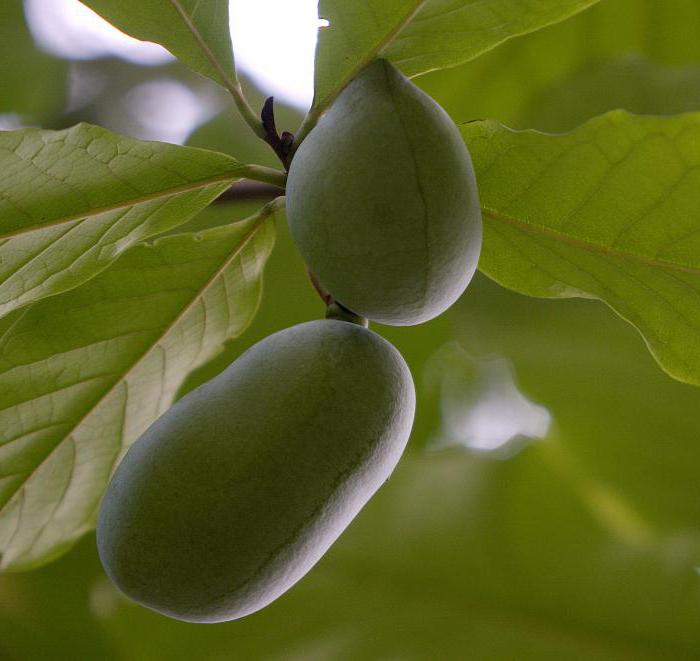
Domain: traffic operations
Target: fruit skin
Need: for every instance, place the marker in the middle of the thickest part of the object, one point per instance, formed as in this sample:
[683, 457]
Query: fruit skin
[237, 491]
[382, 201]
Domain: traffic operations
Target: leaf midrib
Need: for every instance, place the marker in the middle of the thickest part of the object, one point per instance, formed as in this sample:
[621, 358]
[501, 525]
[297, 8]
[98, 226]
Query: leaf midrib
[125, 204]
[584, 244]
[229, 83]
[379, 48]
[130, 369]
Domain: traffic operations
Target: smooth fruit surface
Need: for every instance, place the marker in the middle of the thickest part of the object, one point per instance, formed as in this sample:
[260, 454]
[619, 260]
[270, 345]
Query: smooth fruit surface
[236, 492]
[382, 201]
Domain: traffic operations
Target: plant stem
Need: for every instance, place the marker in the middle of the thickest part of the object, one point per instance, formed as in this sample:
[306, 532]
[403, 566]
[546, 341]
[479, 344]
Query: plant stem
[232, 84]
[337, 311]
[272, 207]
[319, 288]
[334, 310]
[268, 175]
[248, 114]
[249, 190]
[309, 122]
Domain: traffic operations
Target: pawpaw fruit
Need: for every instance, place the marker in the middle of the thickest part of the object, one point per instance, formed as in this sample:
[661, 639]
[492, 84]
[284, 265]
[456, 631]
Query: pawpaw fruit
[234, 493]
[382, 201]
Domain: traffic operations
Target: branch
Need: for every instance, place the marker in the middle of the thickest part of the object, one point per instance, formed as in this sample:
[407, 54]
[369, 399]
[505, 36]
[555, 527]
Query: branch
[249, 190]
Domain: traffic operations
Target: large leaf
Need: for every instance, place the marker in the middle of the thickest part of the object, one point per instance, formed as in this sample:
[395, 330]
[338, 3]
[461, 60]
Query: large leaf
[71, 201]
[609, 211]
[84, 373]
[419, 35]
[523, 83]
[196, 32]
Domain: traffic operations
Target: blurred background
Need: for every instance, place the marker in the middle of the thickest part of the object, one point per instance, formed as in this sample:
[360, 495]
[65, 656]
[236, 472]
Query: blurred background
[548, 506]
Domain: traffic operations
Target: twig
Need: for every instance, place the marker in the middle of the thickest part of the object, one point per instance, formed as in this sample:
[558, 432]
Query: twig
[249, 190]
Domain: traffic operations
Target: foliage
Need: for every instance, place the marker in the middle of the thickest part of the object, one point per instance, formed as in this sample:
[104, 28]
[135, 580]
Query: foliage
[74, 200]
[85, 373]
[121, 291]
[544, 197]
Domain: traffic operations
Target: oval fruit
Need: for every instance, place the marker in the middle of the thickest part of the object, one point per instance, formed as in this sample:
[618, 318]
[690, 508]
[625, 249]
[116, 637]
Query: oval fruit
[236, 492]
[382, 201]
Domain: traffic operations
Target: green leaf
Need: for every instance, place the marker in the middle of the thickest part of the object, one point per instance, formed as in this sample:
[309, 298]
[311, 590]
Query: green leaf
[72, 201]
[608, 211]
[420, 36]
[520, 82]
[83, 374]
[195, 32]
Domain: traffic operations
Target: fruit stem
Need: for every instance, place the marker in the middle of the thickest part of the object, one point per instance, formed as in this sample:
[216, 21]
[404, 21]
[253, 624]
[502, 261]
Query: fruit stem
[337, 311]
[320, 289]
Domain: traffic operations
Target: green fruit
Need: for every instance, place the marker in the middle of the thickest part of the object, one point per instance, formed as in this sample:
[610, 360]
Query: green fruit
[382, 201]
[236, 492]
